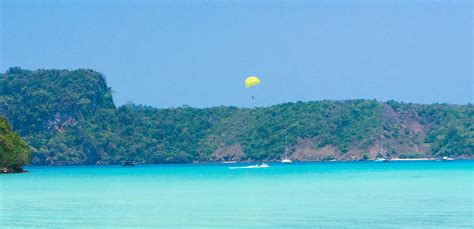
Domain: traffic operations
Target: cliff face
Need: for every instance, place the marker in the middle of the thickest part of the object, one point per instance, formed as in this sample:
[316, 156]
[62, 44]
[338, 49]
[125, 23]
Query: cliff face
[49, 108]
[68, 117]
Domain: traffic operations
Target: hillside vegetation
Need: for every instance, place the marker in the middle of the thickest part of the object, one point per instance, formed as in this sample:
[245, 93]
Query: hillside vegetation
[13, 151]
[69, 117]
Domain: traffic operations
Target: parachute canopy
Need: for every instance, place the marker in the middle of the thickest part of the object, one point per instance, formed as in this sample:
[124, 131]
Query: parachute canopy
[251, 81]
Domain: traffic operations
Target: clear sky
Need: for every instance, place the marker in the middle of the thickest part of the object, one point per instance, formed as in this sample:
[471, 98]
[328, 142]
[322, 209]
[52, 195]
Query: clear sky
[198, 53]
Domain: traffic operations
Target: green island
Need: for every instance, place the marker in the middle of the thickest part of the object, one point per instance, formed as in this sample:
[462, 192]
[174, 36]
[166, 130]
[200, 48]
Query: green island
[69, 118]
[13, 151]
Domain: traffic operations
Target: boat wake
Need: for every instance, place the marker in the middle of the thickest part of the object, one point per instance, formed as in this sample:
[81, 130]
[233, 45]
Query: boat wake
[259, 166]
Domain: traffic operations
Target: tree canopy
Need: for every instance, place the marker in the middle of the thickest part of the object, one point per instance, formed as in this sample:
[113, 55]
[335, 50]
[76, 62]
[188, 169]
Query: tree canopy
[13, 151]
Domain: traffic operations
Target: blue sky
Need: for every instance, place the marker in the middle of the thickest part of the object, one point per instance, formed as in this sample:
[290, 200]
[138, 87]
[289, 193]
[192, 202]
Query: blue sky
[198, 53]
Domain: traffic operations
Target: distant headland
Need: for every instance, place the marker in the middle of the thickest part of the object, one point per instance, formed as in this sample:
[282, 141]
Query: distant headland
[69, 118]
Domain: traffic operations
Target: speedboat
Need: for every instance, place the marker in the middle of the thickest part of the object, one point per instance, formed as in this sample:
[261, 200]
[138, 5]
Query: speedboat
[257, 166]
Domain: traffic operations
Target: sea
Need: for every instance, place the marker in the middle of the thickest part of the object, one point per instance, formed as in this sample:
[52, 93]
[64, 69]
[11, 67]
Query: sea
[399, 194]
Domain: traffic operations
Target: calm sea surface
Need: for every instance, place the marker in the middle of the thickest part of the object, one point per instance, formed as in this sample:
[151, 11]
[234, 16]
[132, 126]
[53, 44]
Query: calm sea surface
[301, 195]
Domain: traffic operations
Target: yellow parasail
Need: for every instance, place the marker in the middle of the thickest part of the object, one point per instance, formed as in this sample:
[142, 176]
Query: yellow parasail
[251, 81]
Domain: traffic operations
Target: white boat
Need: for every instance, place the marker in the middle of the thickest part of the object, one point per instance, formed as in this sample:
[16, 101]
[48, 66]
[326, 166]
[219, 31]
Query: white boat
[229, 162]
[447, 158]
[286, 160]
[380, 157]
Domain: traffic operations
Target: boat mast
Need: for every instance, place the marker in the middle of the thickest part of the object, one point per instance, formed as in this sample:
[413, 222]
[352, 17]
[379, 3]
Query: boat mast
[381, 145]
[286, 146]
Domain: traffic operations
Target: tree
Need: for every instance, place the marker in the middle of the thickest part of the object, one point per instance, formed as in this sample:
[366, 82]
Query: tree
[14, 153]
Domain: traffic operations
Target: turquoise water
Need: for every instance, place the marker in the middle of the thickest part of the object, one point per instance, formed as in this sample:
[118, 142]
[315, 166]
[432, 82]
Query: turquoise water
[308, 195]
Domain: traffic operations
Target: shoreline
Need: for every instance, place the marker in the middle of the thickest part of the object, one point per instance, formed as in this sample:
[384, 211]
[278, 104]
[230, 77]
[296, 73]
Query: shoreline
[13, 172]
[250, 162]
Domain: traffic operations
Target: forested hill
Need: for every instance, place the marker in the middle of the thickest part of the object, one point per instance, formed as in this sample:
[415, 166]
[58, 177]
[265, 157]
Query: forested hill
[68, 117]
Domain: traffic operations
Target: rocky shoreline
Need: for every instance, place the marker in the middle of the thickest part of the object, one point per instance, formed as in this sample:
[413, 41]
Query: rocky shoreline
[6, 170]
[254, 161]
